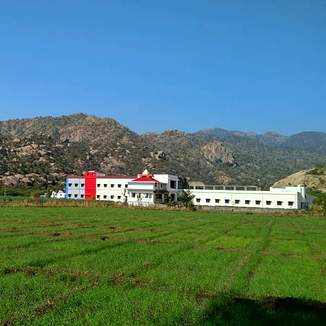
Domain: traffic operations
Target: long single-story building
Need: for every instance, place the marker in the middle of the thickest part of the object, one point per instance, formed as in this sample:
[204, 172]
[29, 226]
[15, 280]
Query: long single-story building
[147, 189]
[276, 198]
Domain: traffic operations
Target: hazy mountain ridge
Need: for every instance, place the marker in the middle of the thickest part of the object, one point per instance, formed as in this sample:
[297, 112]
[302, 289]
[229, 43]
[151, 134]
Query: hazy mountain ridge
[312, 141]
[48, 148]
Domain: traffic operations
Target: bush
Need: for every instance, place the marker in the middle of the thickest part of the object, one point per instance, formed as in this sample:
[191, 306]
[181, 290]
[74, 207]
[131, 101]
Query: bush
[186, 199]
[320, 201]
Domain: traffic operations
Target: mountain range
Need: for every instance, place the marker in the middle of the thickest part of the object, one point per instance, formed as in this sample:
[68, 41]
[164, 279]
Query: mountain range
[41, 151]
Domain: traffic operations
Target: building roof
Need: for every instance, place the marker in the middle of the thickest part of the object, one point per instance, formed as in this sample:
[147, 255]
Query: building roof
[116, 177]
[103, 177]
[146, 179]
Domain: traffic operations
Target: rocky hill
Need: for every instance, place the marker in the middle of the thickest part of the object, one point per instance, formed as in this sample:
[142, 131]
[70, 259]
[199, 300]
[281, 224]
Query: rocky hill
[41, 151]
[313, 178]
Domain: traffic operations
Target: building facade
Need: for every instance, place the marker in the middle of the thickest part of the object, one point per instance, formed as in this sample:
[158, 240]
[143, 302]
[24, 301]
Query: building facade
[146, 190]
[275, 198]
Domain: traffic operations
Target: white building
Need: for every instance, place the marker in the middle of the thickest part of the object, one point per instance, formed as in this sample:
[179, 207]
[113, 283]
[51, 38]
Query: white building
[277, 198]
[147, 189]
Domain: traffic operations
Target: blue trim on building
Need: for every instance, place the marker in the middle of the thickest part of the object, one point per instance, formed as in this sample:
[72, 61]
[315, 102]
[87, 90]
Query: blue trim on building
[67, 187]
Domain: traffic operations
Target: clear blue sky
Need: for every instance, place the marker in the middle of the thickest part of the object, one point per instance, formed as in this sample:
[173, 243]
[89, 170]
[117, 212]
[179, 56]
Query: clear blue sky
[154, 65]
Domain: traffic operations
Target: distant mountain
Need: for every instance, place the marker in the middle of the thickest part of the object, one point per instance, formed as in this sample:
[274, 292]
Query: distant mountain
[310, 141]
[43, 150]
[307, 141]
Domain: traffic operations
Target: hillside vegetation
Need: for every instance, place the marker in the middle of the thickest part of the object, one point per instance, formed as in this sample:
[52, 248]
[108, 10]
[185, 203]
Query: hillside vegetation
[41, 151]
[314, 179]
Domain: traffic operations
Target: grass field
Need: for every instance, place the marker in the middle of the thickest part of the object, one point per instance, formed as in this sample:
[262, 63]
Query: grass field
[130, 266]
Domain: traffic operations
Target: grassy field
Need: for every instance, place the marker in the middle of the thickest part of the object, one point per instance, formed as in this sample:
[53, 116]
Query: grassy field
[124, 266]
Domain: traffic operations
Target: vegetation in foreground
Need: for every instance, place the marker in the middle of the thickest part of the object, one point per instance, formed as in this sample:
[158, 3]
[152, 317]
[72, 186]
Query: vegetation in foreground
[129, 266]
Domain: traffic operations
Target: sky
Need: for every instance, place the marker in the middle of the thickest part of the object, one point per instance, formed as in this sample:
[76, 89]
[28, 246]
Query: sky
[153, 65]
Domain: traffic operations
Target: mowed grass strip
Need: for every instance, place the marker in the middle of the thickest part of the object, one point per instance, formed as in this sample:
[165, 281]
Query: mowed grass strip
[131, 266]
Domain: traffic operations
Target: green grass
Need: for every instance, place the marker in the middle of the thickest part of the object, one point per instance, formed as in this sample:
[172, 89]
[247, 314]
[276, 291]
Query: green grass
[124, 266]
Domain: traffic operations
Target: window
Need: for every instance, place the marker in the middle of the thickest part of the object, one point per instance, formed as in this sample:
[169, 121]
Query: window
[208, 200]
[69, 195]
[76, 196]
[119, 197]
[268, 203]
[82, 185]
[112, 185]
[70, 184]
[247, 202]
[133, 195]
[81, 196]
[279, 203]
[126, 186]
[198, 200]
[98, 196]
[105, 196]
[150, 196]
[119, 185]
[98, 185]
[227, 201]
[105, 185]
[173, 184]
[76, 185]
[217, 201]
[258, 202]
[112, 197]
[237, 201]
[291, 203]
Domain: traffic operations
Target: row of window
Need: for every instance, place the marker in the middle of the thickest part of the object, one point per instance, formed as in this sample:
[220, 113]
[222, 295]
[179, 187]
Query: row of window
[146, 195]
[105, 185]
[82, 185]
[106, 197]
[76, 196]
[247, 202]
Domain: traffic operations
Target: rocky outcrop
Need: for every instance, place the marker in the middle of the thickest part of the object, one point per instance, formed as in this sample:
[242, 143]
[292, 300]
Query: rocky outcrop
[217, 152]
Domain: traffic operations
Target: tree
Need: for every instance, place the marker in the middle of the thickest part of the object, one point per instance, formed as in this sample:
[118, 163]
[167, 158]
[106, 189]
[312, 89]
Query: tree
[321, 202]
[185, 198]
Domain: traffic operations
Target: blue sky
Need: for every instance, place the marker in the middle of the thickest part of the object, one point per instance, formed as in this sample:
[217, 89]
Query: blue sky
[155, 65]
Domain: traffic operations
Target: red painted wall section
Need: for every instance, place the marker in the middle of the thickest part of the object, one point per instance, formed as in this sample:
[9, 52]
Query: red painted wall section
[90, 185]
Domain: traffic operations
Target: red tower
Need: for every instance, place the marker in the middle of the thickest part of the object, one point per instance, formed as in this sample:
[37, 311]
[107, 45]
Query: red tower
[90, 185]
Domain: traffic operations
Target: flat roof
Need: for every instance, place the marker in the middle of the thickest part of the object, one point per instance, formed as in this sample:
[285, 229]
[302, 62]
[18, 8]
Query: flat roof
[103, 177]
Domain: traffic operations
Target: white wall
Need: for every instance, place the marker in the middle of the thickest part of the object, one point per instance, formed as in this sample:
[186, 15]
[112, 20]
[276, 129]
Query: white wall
[146, 186]
[252, 199]
[141, 198]
[112, 189]
[167, 178]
